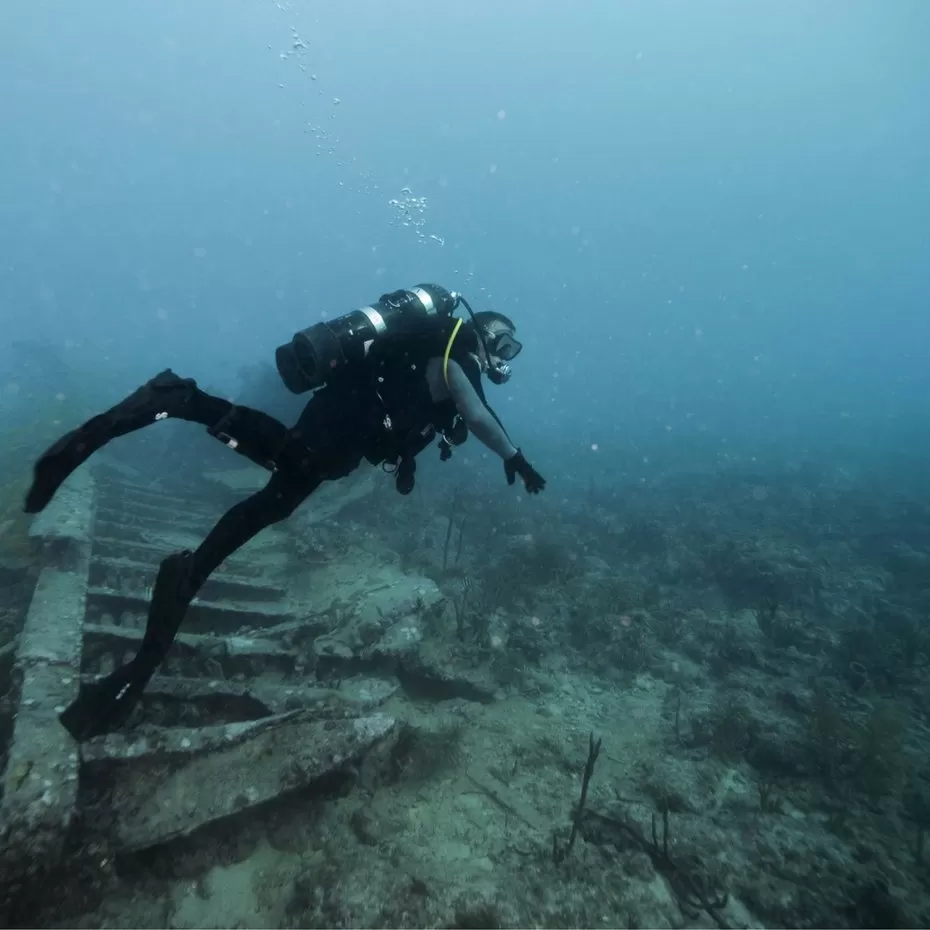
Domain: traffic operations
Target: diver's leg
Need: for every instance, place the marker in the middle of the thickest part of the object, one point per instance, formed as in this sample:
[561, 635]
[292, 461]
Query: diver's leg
[250, 432]
[183, 574]
[105, 704]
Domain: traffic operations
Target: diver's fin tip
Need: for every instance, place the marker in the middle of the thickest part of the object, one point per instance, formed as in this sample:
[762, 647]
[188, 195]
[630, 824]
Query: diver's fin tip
[101, 706]
[74, 719]
[33, 506]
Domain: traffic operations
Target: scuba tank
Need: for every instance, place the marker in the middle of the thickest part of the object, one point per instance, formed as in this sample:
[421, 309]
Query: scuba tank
[325, 351]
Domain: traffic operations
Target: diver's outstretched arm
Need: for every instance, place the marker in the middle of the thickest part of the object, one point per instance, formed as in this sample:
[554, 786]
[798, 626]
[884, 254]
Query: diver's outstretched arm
[107, 703]
[250, 432]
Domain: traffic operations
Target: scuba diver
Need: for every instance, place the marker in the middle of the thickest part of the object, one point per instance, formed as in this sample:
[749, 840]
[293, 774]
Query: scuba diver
[387, 380]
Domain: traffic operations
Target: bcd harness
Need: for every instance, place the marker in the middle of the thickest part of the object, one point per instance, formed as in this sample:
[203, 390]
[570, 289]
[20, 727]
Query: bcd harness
[407, 444]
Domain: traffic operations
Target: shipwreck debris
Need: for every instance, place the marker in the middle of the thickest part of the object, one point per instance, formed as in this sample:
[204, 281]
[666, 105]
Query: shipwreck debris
[170, 783]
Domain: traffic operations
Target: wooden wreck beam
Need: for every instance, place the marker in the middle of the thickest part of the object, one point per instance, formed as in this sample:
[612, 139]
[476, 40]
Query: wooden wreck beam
[41, 778]
[169, 783]
[352, 700]
[101, 639]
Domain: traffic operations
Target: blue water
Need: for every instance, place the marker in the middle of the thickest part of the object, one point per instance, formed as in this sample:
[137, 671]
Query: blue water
[708, 220]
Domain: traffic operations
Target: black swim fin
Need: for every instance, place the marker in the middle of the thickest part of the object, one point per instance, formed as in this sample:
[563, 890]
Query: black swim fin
[104, 705]
[165, 395]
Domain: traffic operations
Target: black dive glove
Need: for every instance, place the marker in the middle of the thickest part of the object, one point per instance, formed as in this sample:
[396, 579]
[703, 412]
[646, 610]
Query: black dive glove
[533, 481]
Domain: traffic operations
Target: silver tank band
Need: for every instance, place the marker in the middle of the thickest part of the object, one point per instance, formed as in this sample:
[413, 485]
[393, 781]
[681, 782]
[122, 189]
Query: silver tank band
[376, 320]
[425, 299]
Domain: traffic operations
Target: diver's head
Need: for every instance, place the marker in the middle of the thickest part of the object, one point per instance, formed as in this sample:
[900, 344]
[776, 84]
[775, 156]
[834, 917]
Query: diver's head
[497, 345]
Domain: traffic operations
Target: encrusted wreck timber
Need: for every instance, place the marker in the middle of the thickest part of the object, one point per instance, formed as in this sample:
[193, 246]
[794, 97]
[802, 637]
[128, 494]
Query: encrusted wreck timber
[176, 701]
[173, 782]
[41, 777]
[192, 652]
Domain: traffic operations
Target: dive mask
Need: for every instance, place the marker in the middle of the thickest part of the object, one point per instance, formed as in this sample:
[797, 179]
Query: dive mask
[503, 345]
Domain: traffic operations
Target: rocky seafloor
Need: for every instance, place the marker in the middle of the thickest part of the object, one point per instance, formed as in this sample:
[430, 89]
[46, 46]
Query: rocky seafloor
[734, 666]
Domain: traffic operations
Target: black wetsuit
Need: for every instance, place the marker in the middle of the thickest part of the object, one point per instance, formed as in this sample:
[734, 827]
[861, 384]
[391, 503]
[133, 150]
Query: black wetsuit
[382, 412]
